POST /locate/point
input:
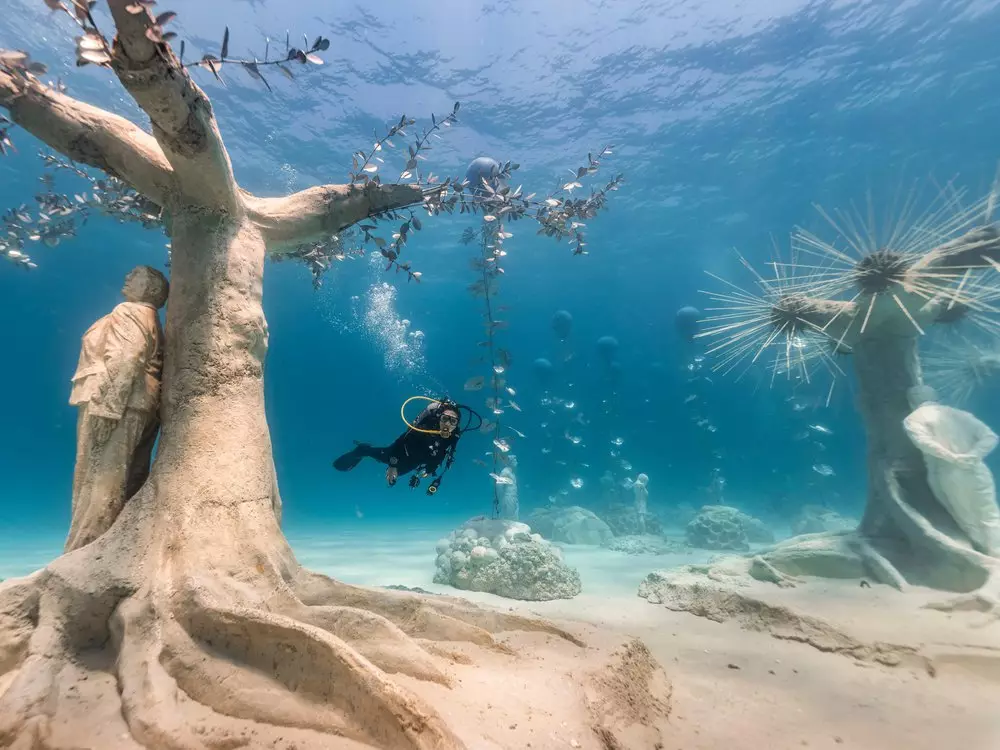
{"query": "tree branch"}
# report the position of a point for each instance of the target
(967, 251)
(796, 313)
(318, 212)
(180, 112)
(87, 134)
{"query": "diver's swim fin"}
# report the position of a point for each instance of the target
(352, 458)
(349, 460)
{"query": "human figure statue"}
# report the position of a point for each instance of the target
(717, 487)
(954, 444)
(640, 491)
(510, 505)
(117, 391)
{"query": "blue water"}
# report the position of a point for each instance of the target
(729, 121)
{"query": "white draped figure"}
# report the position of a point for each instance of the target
(116, 389)
(510, 504)
(954, 444)
(640, 492)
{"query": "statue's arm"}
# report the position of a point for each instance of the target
(925, 437)
(985, 439)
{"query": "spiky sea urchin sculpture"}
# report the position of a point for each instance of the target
(930, 269)
(874, 294)
(773, 324)
(959, 367)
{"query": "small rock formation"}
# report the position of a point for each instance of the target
(504, 558)
(570, 525)
(725, 528)
(718, 527)
(816, 519)
(116, 388)
(644, 544)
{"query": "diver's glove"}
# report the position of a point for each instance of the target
(414, 482)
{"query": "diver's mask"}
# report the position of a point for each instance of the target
(449, 422)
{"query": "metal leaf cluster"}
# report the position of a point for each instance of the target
(91, 47)
(356, 242)
(252, 65)
(58, 216)
(363, 168)
(19, 64)
(5, 141)
(319, 256)
(558, 215)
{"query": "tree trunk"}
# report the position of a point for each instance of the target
(214, 463)
(189, 624)
(906, 537)
(887, 366)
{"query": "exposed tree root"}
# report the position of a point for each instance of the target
(436, 618)
(198, 665)
(376, 638)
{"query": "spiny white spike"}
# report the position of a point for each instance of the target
(907, 314)
(871, 305)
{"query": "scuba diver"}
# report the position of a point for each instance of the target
(426, 444)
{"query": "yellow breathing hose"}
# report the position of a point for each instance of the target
(402, 413)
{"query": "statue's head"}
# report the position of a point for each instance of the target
(642, 479)
(919, 395)
(512, 460)
(145, 284)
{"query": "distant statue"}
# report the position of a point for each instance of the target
(640, 491)
(954, 444)
(510, 505)
(117, 391)
(717, 487)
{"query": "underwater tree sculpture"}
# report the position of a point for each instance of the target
(934, 272)
(189, 623)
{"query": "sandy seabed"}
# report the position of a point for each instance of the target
(732, 687)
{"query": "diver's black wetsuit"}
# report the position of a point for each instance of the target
(411, 451)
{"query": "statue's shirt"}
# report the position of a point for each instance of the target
(121, 362)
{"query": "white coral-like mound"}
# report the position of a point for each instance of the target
(504, 558)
